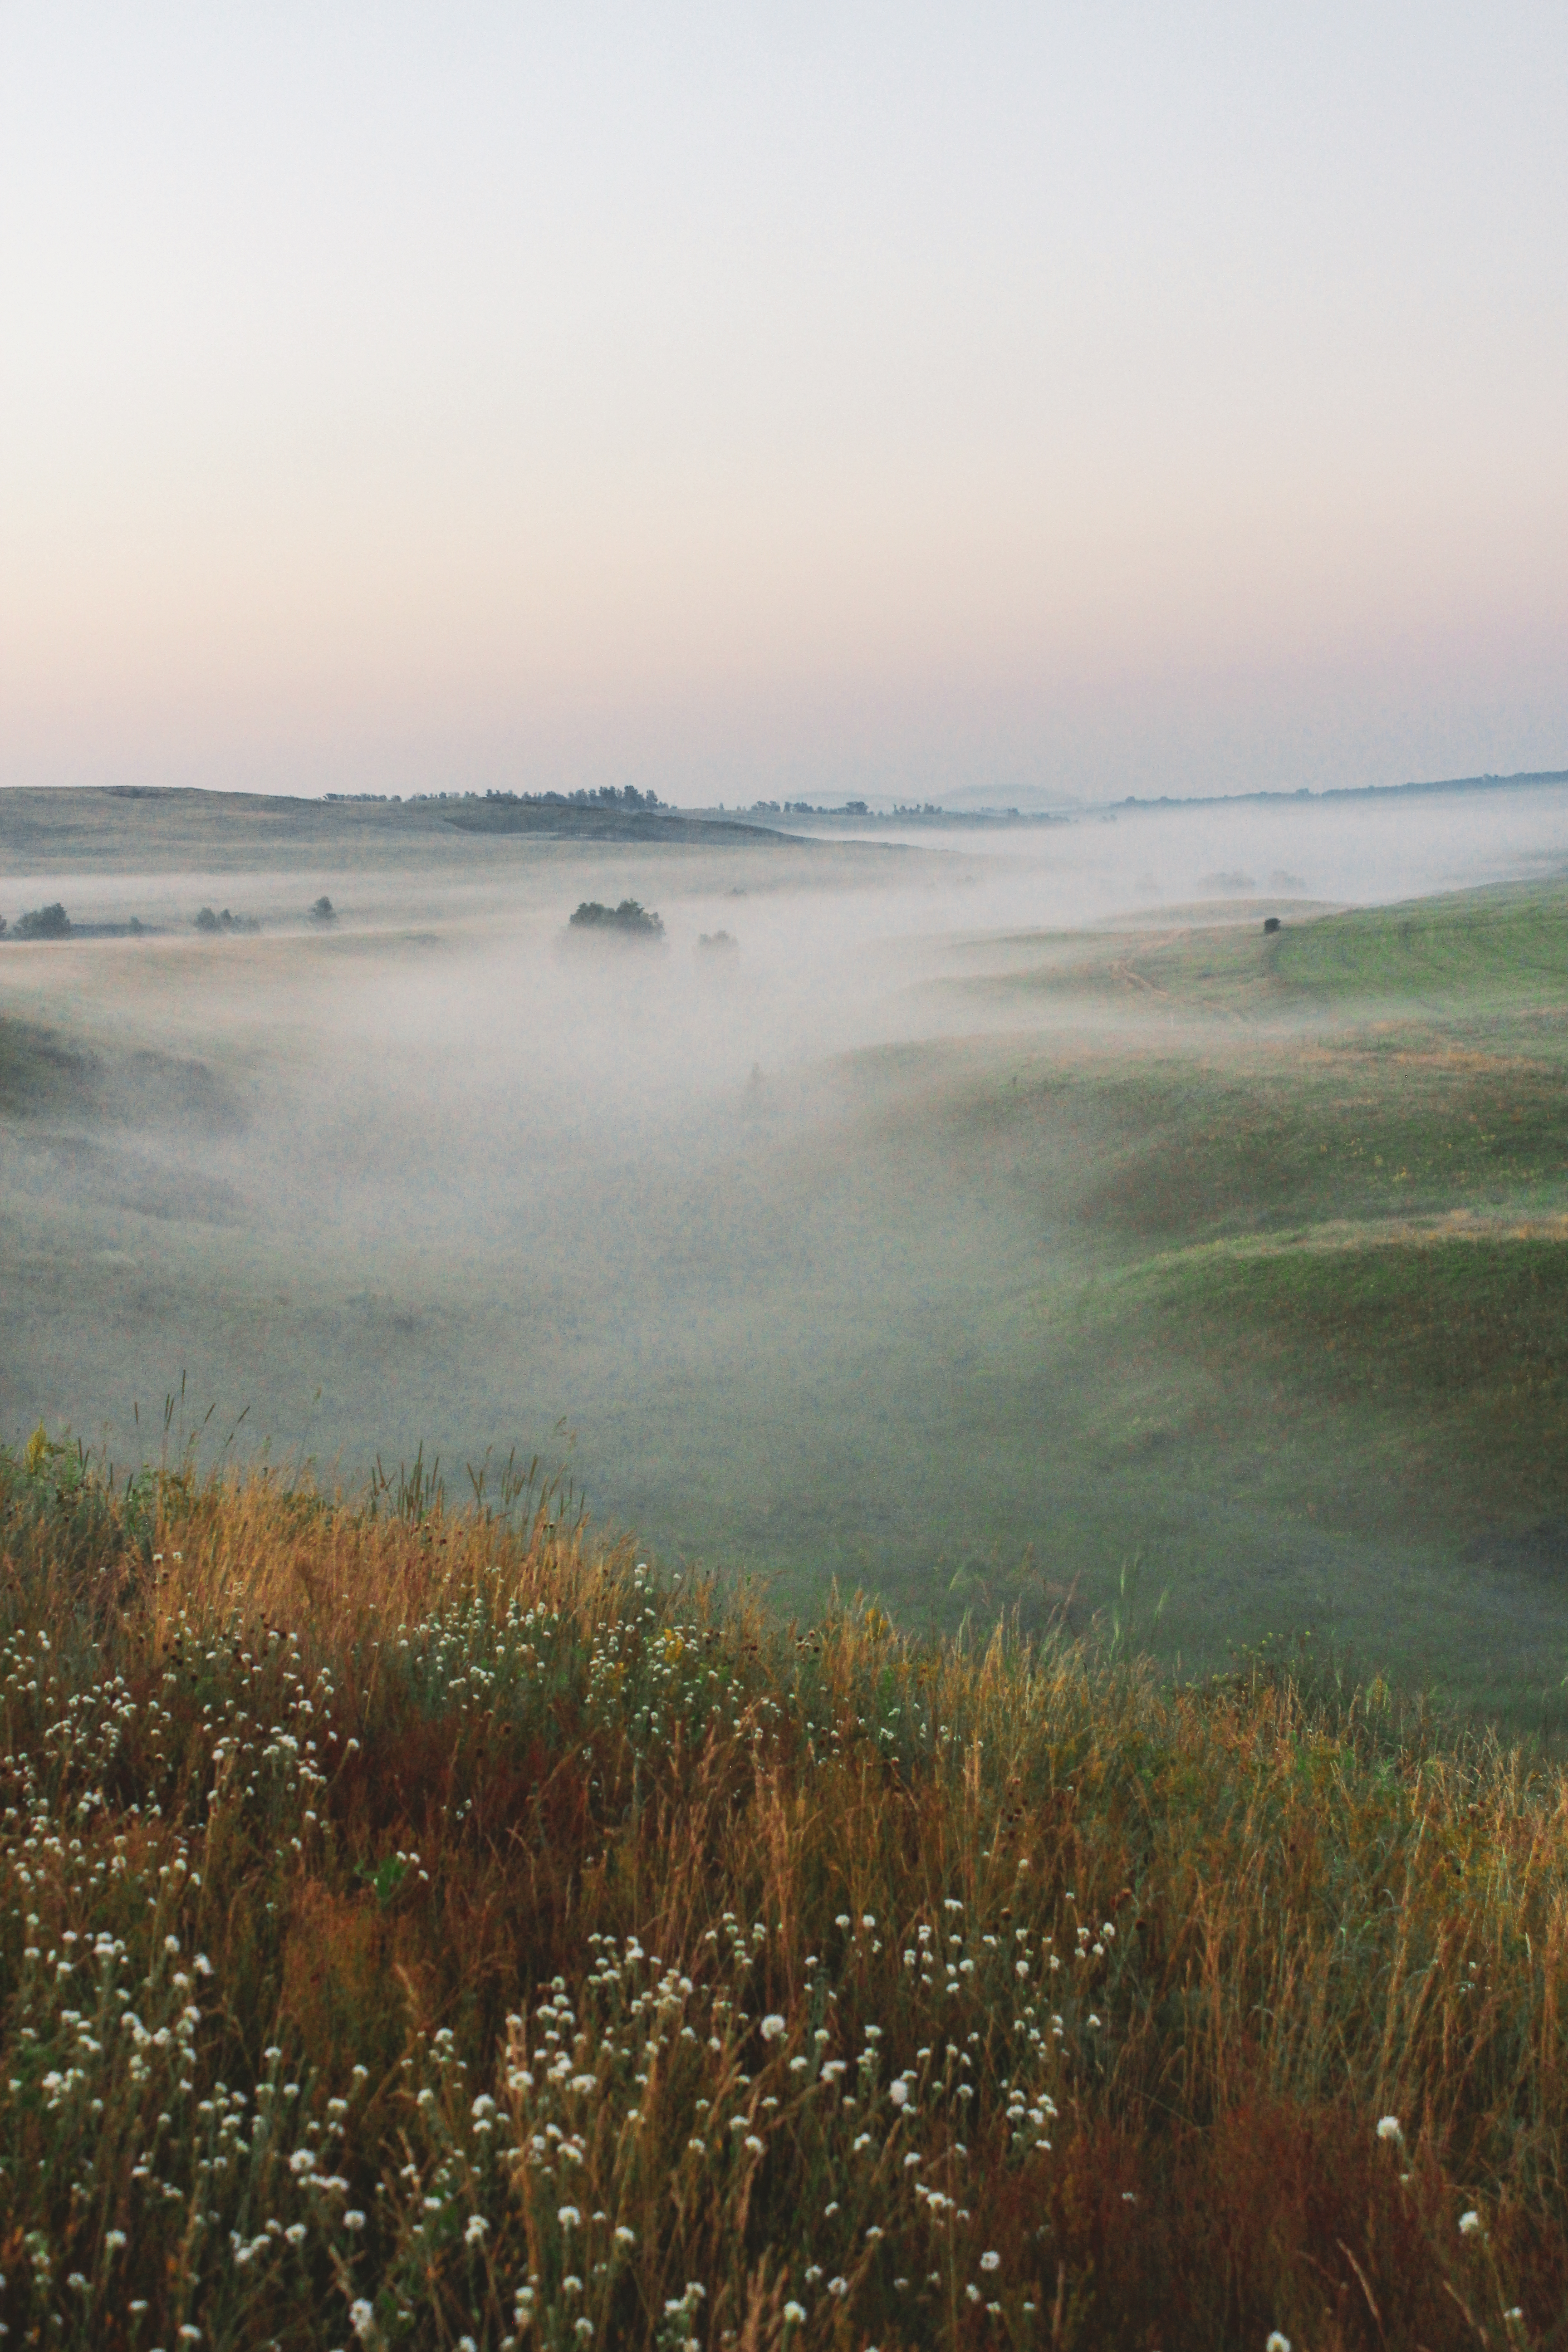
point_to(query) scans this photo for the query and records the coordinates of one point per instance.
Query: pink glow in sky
(998, 402)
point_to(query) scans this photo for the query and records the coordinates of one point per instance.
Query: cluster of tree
(804, 808)
(41, 923)
(208, 921)
(628, 920)
(606, 796)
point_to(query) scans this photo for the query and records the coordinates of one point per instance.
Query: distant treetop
(44, 923)
(628, 920)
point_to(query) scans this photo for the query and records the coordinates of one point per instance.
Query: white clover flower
(568, 2217)
(867, 1919)
(839, 2288)
(1278, 2343)
(753, 2145)
(773, 2026)
(898, 2092)
(296, 2235)
(990, 2261)
(844, 1920)
(1470, 2223)
(794, 2313)
(474, 2235)
(355, 2221)
(1388, 2127)
(1021, 1968)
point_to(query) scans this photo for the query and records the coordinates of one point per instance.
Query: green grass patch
(1506, 946)
(1457, 1350)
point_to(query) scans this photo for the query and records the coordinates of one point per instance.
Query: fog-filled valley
(993, 1218)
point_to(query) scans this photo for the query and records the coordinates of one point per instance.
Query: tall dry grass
(424, 1929)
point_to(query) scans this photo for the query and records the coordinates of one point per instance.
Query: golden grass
(413, 1932)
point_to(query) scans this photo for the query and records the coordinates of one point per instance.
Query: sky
(995, 403)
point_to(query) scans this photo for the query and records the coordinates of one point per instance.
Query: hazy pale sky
(993, 401)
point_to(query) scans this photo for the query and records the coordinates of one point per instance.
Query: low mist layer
(990, 1219)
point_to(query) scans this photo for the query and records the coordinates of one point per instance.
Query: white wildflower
(1470, 2223)
(1388, 2127)
(773, 2026)
(990, 2261)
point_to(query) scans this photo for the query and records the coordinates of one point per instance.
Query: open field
(427, 1927)
(1152, 1264)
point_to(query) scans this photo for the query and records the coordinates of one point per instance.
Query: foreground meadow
(429, 1929)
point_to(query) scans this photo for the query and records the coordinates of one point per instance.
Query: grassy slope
(1323, 1236)
(420, 1929)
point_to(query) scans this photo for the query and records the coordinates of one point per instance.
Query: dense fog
(720, 1230)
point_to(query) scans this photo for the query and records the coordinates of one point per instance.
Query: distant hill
(561, 819)
(1525, 780)
(42, 826)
